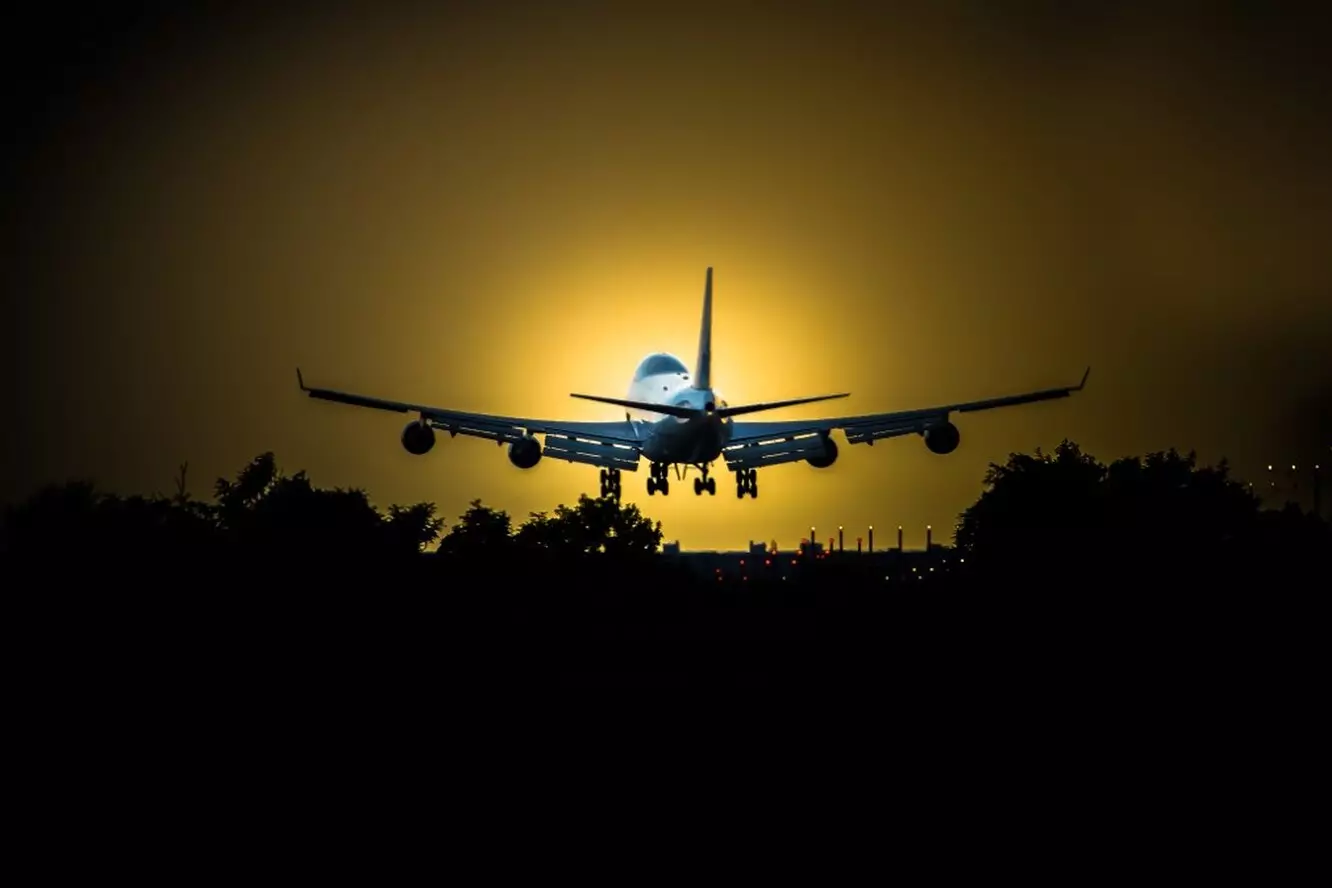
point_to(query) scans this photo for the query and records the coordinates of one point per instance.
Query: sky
(489, 206)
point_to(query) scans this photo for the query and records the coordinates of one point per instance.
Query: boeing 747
(675, 419)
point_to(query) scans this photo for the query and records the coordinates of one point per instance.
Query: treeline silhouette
(1160, 523)
(1058, 519)
(1060, 554)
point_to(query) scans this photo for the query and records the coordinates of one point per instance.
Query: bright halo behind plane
(672, 417)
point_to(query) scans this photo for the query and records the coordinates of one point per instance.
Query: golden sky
(489, 206)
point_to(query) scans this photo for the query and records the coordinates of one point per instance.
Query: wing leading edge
(875, 426)
(605, 444)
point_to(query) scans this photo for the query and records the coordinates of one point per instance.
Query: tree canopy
(1066, 509)
(264, 511)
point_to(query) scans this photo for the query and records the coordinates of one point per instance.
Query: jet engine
(827, 457)
(418, 437)
(525, 452)
(942, 438)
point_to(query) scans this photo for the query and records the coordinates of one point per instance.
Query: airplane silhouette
(673, 420)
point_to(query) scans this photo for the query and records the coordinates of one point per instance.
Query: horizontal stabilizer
(773, 405)
(668, 409)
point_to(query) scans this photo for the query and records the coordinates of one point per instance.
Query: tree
(1033, 498)
(412, 528)
(481, 532)
(599, 525)
(1067, 512)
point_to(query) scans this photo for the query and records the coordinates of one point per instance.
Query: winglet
(300, 380)
(1085, 374)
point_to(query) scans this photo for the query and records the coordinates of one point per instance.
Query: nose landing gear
(610, 484)
(657, 480)
(746, 481)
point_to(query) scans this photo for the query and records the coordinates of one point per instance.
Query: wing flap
(773, 453)
(890, 427)
(607, 456)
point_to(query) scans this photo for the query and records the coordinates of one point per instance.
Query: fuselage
(664, 379)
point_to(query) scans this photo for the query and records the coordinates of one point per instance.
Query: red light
(767, 562)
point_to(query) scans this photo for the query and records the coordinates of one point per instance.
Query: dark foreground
(428, 630)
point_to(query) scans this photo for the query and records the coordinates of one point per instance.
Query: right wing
(771, 443)
(610, 445)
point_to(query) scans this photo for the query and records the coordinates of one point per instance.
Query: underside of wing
(613, 444)
(610, 445)
(771, 443)
(758, 444)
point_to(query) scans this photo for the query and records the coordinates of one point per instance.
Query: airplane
(673, 419)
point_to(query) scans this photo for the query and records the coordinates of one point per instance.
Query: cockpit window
(655, 365)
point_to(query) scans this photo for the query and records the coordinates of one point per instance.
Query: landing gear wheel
(746, 481)
(711, 485)
(698, 487)
(657, 480)
(610, 484)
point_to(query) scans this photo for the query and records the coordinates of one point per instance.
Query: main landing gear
(657, 480)
(705, 483)
(746, 481)
(610, 484)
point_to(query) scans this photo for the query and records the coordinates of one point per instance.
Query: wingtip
(300, 380)
(1085, 374)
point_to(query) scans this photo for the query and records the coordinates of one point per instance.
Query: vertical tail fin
(703, 367)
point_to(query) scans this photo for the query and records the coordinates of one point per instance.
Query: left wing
(611, 445)
(773, 443)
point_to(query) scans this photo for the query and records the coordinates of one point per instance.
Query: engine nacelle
(828, 457)
(942, 438)
(525, 452)
(418, 438)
